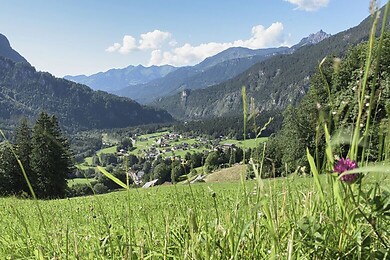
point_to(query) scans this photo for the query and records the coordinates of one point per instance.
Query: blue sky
(87, 36)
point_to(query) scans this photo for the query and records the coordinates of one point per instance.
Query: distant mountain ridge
(238, 53)
(273, 83)
(213, 70)
(115, 79)
(7, 51)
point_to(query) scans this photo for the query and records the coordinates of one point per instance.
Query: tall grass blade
(356, 135)
(328, 151)
(112, 177)
(384, 168)
(314, 170)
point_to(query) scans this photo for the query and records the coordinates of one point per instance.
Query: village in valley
(139, 155)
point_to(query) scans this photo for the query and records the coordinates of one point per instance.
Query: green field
(72, 182)
(249, 143)
(156, 135)
(88, 160)
(285, 218)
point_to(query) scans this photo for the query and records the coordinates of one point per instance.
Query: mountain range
(213, 70)
(115, 79)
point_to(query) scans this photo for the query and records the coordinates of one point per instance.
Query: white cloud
(116, 46)
(148, 41)
(309, 5)
(164, 51)
(188, 55)
(263, 37)
(173, 43)
(153, 40)
(128, 44)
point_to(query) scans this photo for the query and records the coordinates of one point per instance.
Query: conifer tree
(8, 171)
(50, 157)
(23, 150)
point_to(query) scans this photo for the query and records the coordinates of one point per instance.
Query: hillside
(274, 83)
(116, 79)
(25, 92)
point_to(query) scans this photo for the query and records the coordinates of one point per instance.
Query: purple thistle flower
(344, 165)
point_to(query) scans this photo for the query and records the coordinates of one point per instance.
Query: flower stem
(367, 219)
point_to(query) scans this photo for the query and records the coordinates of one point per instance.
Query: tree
(9, 183)
(23, 149)
(177, 170)
(162, 172)
(12, 180)
(50, 157)
(95, 160)
(147, 167)
(212, 161)
(196, 160)
(125, 144)
(108, 159)
(132, 159)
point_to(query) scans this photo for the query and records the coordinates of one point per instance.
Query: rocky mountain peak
(313, 38)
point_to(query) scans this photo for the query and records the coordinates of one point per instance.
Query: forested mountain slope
(24, 92)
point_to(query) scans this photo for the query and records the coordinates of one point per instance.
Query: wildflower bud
(344, 165)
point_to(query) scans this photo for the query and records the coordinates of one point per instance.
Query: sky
(73, 37)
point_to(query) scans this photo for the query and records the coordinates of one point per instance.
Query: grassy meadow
(74, 181)
(248, 143)
(285, 219)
